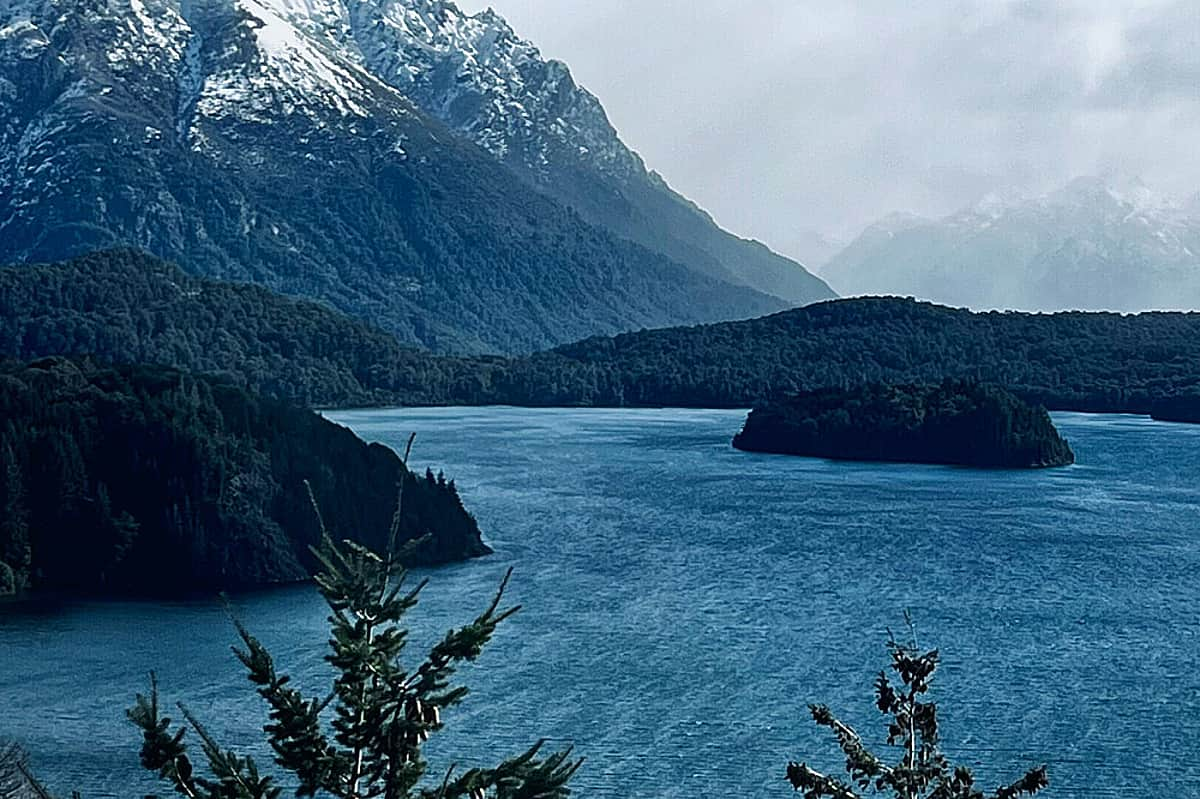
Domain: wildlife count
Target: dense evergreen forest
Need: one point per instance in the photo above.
(957, 422)
(1099, 362)
(146, 479)
(124, 307)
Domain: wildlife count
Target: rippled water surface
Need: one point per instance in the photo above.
(683, 603)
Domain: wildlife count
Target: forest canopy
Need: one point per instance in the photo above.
(123, 307)
(146, 479)
(958, 422)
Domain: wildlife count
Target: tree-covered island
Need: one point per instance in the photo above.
(956, 422)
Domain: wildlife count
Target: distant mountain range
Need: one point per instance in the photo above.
(399, 160)
(1089, 245)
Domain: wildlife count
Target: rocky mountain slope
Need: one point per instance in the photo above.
(478, 76)
(1087, 246)
(277, 142)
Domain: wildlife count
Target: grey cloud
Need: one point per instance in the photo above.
(786, 116)
(1162, 64)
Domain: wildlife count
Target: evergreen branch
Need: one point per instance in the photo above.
(533, 779)
(446, 781)
(816, 785)
(394, 531)
(521, 777)
(862, 765)
(236, 777)
(959, 785)
(162, 752)
(1033, 781)
(295, 728)
(16, 779)
(465, 643)
(312, 498)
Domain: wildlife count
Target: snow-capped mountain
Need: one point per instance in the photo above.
(1089, 245)
(475, 74)
(365, 153)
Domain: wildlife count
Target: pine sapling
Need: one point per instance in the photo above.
(922, 771)
(363, 738)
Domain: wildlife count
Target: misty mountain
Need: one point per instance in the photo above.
(275, 142)
(1088, 245)
(812, 247)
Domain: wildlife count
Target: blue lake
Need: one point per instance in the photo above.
(684, 602)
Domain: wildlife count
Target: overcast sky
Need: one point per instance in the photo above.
(785, 115)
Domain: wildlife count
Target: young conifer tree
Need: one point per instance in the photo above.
(922, 772)
(363, 739)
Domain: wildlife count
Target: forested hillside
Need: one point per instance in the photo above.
(150, 480)
(126, 307)
(1065, 361)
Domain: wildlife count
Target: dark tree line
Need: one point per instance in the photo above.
(1099, 362)
(106, 475)
(123, 307)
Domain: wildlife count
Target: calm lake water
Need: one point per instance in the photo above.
(683, 602)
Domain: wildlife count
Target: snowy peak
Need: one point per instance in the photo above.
(898, 222)
(251, 60)
(475, 74)
(1083, 200)
(266, 63)
(1129, 195)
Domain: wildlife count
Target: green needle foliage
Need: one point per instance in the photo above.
(362, 739)
(922, 772)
